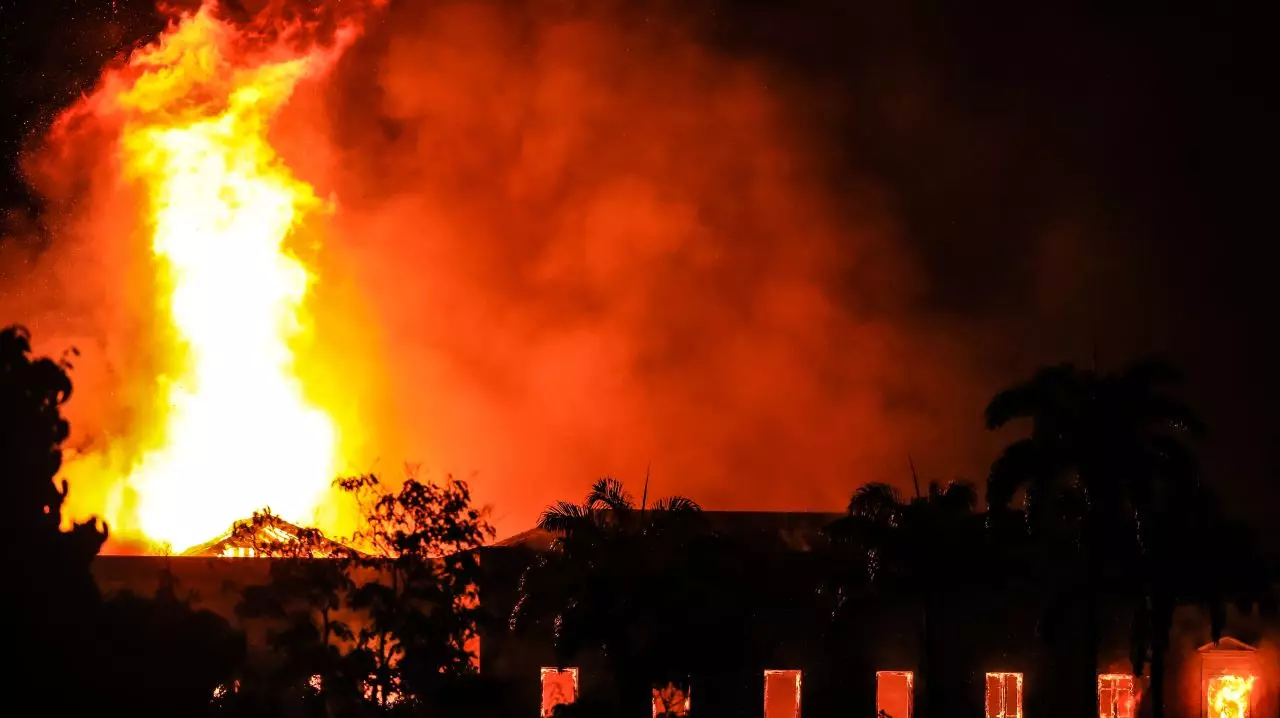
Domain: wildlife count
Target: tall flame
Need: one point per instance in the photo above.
(237, 431)
(1229, 696)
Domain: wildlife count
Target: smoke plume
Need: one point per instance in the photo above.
(567, 240)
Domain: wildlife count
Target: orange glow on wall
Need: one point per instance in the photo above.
(559, 688)
(1117, 695)
(781, 694)
(1004, 695)
(894, 693)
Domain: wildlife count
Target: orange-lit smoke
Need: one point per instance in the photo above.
(563, 241)
(185, 124)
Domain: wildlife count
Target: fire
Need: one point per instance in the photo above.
(1228, 696)
(1117, 695)
(236, 430)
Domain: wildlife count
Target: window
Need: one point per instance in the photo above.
(670, 700)
(1116, 696)
(894, 694)
(559, 687)
(1004, 695)
(1230, 696)
(782, 694)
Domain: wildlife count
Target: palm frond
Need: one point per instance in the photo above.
(1021, 462)
(676, 504)
(609, 493)
(1028, 399)
(564, 516)
(959, 496)
(874, 499)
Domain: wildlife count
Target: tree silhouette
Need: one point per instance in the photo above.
(309, 582)
(920, 549)
(622, 580)
(1105, 460)
(166, 657)
(1201, 558)
(416, 583)
(50, 602)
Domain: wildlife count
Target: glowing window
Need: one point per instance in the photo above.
(782, 694)
(670, 700)
(559, 687)
(894, 693)
(1116, 696)
(1230, 696)
(1004, 695)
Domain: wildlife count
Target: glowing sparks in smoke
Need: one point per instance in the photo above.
(236, 431)
(1228, 696)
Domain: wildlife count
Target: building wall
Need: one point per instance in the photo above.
(979, 632)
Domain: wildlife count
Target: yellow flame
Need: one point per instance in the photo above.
(237, 432)
(1229, 696)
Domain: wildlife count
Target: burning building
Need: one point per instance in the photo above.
(1228, 678)
(794, 673)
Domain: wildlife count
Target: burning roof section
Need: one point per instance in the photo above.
(248, 539)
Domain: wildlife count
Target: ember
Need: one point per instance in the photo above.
(1230, 696)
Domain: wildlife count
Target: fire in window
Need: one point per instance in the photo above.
(1116, 696)
(671, 700)
(782, 694)
(1230, 696)
(1004, 695)
(1228, 671)
(559, 688)
(894, 694)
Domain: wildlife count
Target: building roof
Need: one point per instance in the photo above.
(796, 530)
(272, 529)
(1227, 643)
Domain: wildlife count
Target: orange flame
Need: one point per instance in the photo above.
(1229, 696)
(236, 430)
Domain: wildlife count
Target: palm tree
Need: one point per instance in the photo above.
(1205, 559)
(617, 580)
(1106, 458)
(920, 548)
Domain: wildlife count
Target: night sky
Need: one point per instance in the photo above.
(1076, 182)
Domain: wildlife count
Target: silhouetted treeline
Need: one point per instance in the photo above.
(1096, 518)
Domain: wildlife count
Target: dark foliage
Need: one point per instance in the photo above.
(924, 550)
(385, 629)
(150, 656)
(51, 609)
(1113, 513)
(1111, 488)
